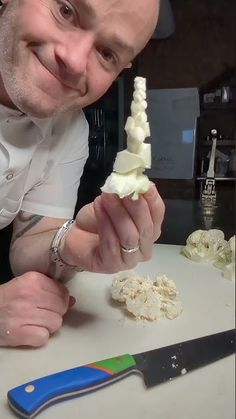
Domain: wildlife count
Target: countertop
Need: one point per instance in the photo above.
(96, 329)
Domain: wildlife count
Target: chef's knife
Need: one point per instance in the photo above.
(156, 366)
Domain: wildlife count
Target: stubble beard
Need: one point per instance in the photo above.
(20, 91)
(14, 82)
(29, 99)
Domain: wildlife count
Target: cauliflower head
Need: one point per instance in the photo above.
(204, 245)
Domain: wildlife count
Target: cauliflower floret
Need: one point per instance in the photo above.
(195, 237)
(210, 245)
(125, 184)
(127, 284)
(145, 305)
(172, 309)
(229, 271)
(226, 254)
(232, 247)
(145, 298)
(226, 259)
(204, 245)
(165, 286)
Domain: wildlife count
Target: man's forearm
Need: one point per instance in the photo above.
(32, 253)
(31, 243)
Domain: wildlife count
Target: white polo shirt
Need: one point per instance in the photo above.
(41, 162)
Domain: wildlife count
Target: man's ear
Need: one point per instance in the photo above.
(128, 65)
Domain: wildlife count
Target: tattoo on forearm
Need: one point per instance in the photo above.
(25, 216)
(31, 219)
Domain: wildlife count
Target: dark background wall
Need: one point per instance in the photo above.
(201, 48)
(200, 53)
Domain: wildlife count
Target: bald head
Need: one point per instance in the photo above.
(145, 16)
(151, 15)
(52, 62)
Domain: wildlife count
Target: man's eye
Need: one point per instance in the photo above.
(107, 55)
(66, 12)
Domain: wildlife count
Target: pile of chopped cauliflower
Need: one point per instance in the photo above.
(211, 246)
(144, 298)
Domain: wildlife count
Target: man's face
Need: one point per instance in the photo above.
(63, 54)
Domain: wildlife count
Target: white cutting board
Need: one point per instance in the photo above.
(95, 329)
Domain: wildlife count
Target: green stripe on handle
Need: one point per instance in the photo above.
(115, 365)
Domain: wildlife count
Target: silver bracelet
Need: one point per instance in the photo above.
(55, 247)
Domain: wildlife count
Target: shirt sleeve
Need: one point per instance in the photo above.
(56, 193)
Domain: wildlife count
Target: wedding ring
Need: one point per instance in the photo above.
(129, 249)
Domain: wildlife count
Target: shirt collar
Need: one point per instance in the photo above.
(8, 113)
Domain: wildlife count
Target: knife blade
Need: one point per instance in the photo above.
(156, 366)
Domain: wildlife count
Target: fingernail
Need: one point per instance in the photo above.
(72, 301)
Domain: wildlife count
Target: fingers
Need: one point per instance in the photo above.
(53, 302)
(126, 232)
(29, 336)
(49, 284)
(112, 223)
(157, 210)
(135, 222)
(108, 251)
(124, 227)
(33, 308)
(141, 216)
(147, 213)
(45, 292)
(86, 220)
(32, 283)
(34, 329)
(47, 319)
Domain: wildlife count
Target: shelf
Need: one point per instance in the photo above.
(218, 107)
(218, 178)
(226, 143)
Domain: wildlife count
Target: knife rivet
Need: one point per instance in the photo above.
(29, 389)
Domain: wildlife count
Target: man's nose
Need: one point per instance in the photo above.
(73, 53)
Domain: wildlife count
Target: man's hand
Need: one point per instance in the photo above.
(94, 242)
(31, 309)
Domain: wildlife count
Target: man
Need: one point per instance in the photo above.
(62, 55)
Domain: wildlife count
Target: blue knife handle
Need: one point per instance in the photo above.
(30, 398)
